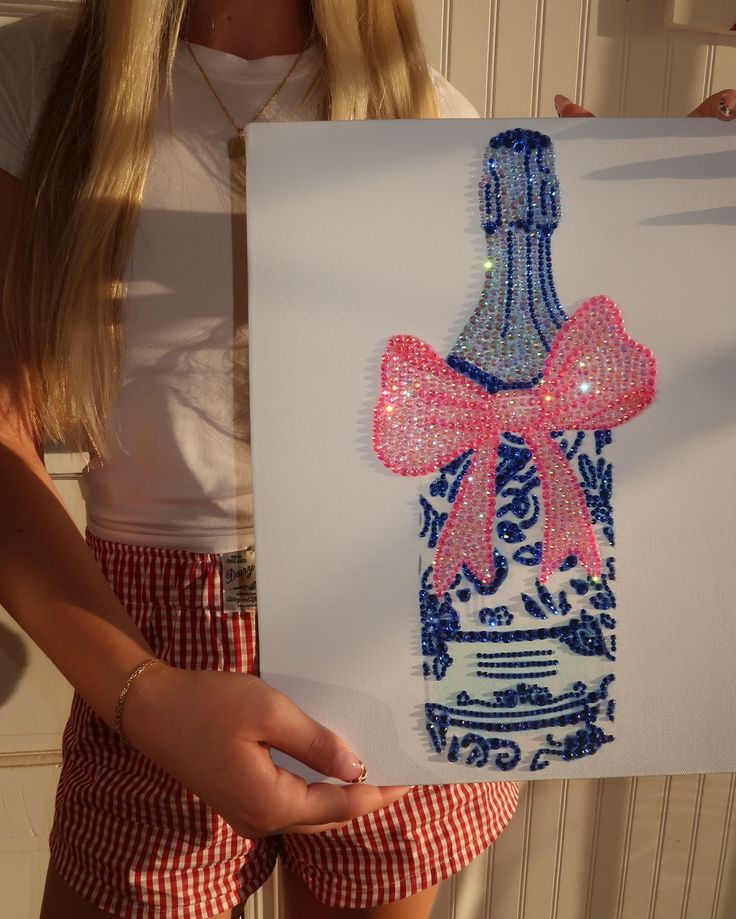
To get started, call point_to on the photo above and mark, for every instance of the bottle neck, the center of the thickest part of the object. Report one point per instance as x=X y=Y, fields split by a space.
x=507 y=339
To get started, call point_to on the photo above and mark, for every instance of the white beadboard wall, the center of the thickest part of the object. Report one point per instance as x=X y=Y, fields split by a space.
x=648 y=848
x=615 y=57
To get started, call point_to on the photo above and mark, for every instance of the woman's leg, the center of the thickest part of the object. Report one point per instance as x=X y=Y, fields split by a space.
x=381 y=865
x=60 y=901
x=300 y=904
x=127 y=838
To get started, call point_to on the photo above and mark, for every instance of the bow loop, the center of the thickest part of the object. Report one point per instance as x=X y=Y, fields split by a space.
x=596 y=376
x=427 y=414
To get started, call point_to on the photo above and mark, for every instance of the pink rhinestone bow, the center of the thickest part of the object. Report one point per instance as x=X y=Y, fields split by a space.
x=595 y=377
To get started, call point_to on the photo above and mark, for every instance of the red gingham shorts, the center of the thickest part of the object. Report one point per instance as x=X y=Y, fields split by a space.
x=135 y=843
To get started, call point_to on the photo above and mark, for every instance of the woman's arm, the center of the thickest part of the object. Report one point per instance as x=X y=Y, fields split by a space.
x=50 y=582
x=211 y=731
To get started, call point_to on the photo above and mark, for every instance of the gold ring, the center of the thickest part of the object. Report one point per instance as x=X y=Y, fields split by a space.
x=361 y=777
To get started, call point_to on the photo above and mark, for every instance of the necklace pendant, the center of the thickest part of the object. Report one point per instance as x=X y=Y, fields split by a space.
x=236 y=146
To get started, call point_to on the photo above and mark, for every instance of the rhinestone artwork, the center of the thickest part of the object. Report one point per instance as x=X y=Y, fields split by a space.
x=514 y=425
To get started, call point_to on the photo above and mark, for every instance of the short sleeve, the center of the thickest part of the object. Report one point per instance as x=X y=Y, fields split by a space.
x=450 y=102
x=30 y=48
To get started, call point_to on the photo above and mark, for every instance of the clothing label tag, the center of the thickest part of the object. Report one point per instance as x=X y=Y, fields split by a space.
x=239 y=580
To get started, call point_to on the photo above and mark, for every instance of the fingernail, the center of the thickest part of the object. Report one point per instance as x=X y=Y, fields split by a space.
x=362 y=777
x=348 y=767
x=560 y=103
x=727 y=105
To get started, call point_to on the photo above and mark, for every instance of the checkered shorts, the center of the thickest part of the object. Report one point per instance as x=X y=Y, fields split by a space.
x=135 y=843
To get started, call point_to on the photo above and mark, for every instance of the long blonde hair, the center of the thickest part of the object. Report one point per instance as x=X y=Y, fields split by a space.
x=85 y=172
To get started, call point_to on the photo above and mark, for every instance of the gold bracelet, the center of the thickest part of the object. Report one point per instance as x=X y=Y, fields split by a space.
x=117 y=727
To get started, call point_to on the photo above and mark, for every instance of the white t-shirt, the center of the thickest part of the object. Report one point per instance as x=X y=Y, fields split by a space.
x=176 y=475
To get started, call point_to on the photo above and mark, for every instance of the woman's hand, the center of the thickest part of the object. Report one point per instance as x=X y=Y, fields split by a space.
x=720 y=105
x=212 y=731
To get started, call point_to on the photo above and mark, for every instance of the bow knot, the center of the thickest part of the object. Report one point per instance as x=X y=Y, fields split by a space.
x=595 y=377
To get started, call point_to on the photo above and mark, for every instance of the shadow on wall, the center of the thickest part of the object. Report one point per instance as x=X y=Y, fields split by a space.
x=14 y=659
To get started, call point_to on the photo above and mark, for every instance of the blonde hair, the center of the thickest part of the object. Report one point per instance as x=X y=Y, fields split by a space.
x=86 y=168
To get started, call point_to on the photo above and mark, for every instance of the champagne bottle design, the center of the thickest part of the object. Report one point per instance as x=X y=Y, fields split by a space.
x=514 y=424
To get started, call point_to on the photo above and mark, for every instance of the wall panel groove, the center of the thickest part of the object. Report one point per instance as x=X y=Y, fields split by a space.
x=725 y=839
x=538 y=57
x=452 y=898
x=582 y=51
x=694 y=830
x=667 y=81
x=709 y=66
x=623 y=876
x=592 y=862
x=491 y=52
x=524 y=861
x=625 y=52
x=660 y=844
x=487 y=881
x=559 y=850
x=446 y=36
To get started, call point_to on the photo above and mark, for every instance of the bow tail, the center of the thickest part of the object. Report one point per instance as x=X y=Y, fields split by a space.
x=567 y=526
x=467 y=537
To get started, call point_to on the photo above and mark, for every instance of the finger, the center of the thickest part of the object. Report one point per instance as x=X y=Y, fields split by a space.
x=720 y=105
x=321 y=803
x=284 y=800
x=292 y=731
x=566 y=108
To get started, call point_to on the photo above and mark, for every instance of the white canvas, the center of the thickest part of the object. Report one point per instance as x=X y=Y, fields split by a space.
x=361 y=231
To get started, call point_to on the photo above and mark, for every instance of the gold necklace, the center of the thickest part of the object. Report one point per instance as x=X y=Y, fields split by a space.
x=239 y=243
x=236 y=144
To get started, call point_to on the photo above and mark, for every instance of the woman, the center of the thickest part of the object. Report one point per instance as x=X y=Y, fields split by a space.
x=166 y=498
x=132 y=834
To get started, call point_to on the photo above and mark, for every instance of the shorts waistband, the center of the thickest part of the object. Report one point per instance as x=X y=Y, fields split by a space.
x=160 y=577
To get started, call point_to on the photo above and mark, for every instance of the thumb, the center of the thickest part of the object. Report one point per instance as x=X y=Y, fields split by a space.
x=566 y=108
x=296 y=734
x=720 y=105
